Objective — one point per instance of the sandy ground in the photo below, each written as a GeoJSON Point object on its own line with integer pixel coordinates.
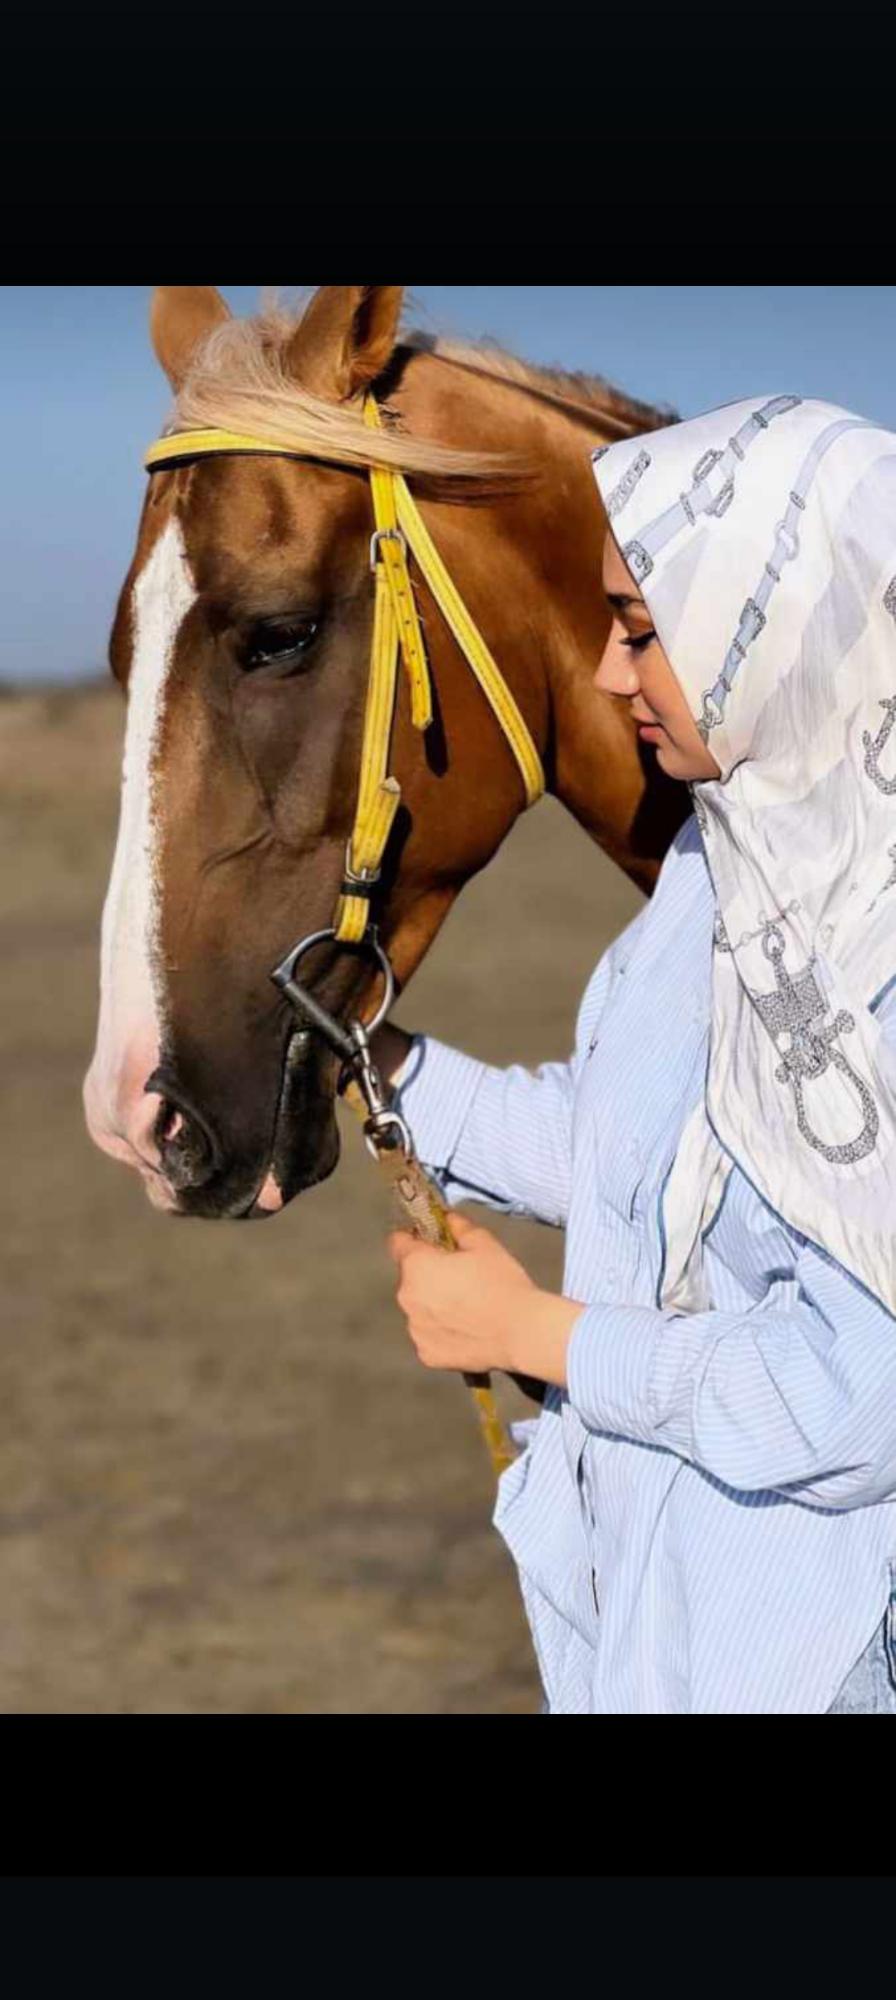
{"type": "Point", "coordinates": [226, 1484]}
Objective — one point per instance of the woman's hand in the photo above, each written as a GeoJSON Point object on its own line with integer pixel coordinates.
{"type": "Point", "coordinates": [478, 1309]}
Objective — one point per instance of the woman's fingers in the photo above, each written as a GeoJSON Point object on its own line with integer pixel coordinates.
{"type": "Point", "coordinates": [399, 1242]}
{"type": "Point", "coordinates": [461, 1226]}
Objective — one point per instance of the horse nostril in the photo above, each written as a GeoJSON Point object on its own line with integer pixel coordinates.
{"type": "Point", "coordinates": [187, 1152]}
{"type": "Point", "coordinates": [184, 1150]}
{"type": "Point", "coordinates": [169, 1123]}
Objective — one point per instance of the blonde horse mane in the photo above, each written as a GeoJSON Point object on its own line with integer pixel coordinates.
{"type": "Point", "coordinates": [239, 381]}
{"type": "Point", "coordinates": [582, 395]}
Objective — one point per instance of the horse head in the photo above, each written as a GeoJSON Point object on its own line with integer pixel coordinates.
{"type": "Point", "coordinates": [242, 640]}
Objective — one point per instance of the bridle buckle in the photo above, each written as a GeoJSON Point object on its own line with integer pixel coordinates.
{"type": "Point", "coordinates": [363, 876]}
{"type": "Point", "coordinates": [386, 535]}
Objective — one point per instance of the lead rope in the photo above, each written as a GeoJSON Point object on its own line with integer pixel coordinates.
{"type": "Point", "coordinates": [389, 1139]}
{"type": "Point", "coordinates": [422, 1207]}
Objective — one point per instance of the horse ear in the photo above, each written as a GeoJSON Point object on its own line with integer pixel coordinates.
{"type": "Point", "coordinates": [345, 338]}
{"type": "Point", "coordinates": [179, 317]}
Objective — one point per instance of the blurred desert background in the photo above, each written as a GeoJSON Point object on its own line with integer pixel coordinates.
{"type": "Point", "coordinates": [226, 1484]}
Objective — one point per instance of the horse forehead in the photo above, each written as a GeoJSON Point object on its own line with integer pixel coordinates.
{"type": "Point", "coordinates": [242, 511]}
{"type": "Point", "coordinates": [162, 594]}
{"type": "Point", "coordinates": [164, 585]}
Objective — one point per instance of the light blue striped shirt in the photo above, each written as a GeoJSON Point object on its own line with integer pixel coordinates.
{"type": "Point", "coordinates": [703, 1522]}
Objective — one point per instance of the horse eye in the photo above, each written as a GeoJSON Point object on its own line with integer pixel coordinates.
{"type": "Point", "coordinates": [268, 644]}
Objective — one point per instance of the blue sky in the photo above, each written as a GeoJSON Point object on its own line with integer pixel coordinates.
{"type": "Point", "coordinates": [82, 394]}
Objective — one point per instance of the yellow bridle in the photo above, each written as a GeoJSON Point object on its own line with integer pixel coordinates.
{"type": "Point", "coordinates": [399, 526]}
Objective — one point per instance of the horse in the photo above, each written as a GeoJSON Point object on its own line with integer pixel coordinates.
{"type": "Point", "coordinates": [241, 640]}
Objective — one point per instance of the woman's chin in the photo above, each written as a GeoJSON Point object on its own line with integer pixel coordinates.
{"type": "Point", "coordinates": [673, 761]}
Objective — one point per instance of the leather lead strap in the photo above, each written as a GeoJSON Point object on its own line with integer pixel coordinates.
{"type": "Point", "coordinates": [423, 1210]}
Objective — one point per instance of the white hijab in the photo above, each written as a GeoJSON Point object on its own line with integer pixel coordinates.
{"type": "Point", "coordinates": [763, 539]}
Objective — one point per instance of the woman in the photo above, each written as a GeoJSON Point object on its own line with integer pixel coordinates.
{"type": "Point", "coordinates": [703, 1515]}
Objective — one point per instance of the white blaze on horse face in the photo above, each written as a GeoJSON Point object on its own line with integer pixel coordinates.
{"type": "Point", "coordinates": [120, 1115]}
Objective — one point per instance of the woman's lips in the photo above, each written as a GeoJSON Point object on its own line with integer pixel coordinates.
{"type": "Point", "coordinates": [650, 728]}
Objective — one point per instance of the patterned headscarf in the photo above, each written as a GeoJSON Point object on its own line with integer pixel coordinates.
{"type": "Point", "coordinates": [763, 539]}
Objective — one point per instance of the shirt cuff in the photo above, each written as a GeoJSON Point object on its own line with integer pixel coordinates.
{"type": "Point", "coordinates": [434, 1090]}
{"type": "Point", "coordinates": [610, 1359]}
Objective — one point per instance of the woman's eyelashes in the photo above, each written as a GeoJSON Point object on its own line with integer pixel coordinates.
{"type": "Point", "coordinates": [637, 645]}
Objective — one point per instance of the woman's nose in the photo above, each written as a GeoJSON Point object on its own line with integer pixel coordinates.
{"type": "Point", "coordinates": [615, 676]}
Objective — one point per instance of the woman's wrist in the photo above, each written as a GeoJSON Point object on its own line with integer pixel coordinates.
{"type": "Point", "coordinates": [541, 1334]}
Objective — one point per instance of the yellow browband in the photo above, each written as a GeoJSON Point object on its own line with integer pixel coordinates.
{"type": "Point", "coordinates": [396, 628]}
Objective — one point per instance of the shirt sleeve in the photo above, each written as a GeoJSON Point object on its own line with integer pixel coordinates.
{"type": "Point", "coordinates": [500, 1136]}
{"type": "Point", "coordinates": [799, 1398]}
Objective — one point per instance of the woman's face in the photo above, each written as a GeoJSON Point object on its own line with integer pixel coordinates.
{"type": "Point", "coordinates": [634, 664]}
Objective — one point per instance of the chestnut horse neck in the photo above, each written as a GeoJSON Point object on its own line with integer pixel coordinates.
{"type": "Point", "coordinates": [529, 565]}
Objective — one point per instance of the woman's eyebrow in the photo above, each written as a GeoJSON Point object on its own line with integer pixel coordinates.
{"type": "Point", "coordinates": [621, 602]}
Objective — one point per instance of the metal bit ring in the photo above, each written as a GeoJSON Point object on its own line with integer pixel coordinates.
{"type": "Point", "coordinates": [370, 944]}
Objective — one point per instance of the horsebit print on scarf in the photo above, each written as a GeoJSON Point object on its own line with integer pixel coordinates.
{"type": "Point", "coordinates": [762, 536]}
